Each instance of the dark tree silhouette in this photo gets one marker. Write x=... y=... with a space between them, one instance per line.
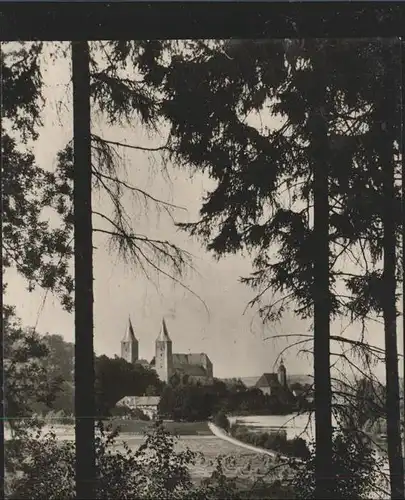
x=84 y=349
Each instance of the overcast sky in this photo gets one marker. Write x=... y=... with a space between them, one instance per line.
x=236 y=342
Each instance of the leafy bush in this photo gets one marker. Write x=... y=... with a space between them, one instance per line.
x=274 y=440
x=59 y=418
x=356 y=467
x=133 y=413
x=221 y=420
x=39 y=466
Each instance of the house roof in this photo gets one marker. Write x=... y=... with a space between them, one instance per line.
x=147 y=400
x=139 y=401
x=268 y=380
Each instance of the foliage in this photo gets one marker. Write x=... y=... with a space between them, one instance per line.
x=355 y=467
x=221 y=420
x=185 y=403
x=193 y=402
x=259 y=117
x=26 y=380
x=61 y=356
x=40 y=251
x=58 y=417
x=116 y=378
x=253 y=206
x=43 y=467
x=129 y=413
x=59 y=362
x=275 y=441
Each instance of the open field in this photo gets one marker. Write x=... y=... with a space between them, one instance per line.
x=177 y=428
x=236 y=461
x=132 y=427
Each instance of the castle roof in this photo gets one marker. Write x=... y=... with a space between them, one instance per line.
x=164 y=334
x=191 y=358
x=191 y=370
x=129 y=333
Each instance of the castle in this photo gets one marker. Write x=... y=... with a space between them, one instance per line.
x=197 y=367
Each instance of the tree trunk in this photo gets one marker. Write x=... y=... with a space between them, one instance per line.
x=390 y=331
x=84 y=352
x=388 y=108
x=402 y=69
x=324 y=479
x=2 y=395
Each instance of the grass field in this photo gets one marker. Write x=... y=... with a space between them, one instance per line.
x=195 y=436
x=237 y=461
x=177 y=428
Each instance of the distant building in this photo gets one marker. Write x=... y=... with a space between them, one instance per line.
x=147 y=404
x=276 y=384
x=270 y=383
x=130 y=345
x=196 y=366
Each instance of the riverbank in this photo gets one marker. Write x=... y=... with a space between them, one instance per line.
x=217 y=431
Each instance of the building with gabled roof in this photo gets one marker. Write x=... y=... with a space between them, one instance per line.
x=268 y=383
x=196 y=367
x=275 y=384
x=147 y=404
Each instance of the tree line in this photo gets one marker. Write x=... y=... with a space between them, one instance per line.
x=194 y=402
x=39 y=376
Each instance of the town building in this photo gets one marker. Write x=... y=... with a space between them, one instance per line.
x=147 y=404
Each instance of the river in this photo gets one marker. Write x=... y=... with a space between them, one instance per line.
x=294 y=424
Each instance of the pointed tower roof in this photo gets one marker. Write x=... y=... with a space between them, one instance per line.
x=281 y=365
x=164 y=334
x=129 y=334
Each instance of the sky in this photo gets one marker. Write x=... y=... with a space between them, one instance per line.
x=234 y=338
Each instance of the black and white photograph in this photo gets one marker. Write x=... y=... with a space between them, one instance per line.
x=202 y=267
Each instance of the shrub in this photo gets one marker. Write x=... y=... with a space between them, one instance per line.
x=274 y=440
x=355 y=464
x=221 y=420
x=299 y=448
x=39 y=466
x=130 y=413
x=58 y=418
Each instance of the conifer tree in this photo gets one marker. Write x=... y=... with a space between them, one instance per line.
x=209 y=94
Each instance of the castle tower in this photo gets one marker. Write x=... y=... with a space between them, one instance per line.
x=129 y=345
x=164 y=355
x=282 y=374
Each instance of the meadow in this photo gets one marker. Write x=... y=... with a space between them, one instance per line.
x=176 y=428
x=237 y=462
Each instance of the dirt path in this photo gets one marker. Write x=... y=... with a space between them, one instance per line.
x=223 y=435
